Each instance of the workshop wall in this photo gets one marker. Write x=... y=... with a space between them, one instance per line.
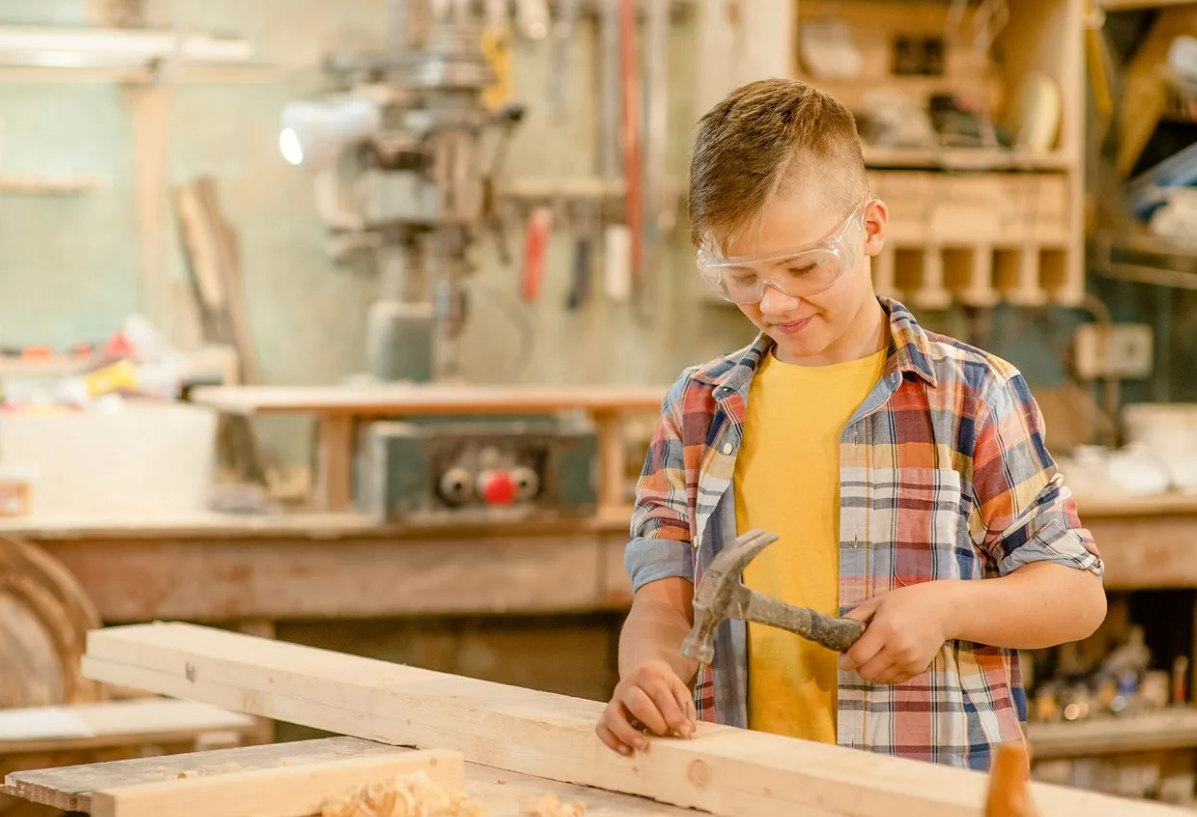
x=76 y=272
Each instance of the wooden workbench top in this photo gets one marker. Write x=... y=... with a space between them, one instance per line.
x=417 y=399
x=336 y=525
x=331 y=525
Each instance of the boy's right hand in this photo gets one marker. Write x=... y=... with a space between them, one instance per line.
x=651 y=698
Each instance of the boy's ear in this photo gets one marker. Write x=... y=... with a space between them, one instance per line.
x=876 y=222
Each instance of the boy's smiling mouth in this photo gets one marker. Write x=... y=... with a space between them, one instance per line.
x=791 y=327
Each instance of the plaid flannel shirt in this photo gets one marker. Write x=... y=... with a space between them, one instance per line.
x=943 y=475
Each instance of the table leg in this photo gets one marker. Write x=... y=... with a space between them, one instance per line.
x=610 y=461
x=334 y=459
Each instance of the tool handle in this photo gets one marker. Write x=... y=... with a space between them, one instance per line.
x=535 y=246
x=833 y=633
x=580 y=285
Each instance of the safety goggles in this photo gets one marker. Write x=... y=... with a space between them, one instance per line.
x=799 y=273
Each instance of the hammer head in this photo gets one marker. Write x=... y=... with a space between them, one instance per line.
x=721 y=593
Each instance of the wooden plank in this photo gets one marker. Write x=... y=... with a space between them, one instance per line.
x=724 y=770
x=286 y=791
x=70 y=787
x=141 y=720
x=500 y=793
x=391 y=399
x=278 y=579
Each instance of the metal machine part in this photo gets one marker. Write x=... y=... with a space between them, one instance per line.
x=493 y=470
x=415 y=191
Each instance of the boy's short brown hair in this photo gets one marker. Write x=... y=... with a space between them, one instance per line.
x=764 y=139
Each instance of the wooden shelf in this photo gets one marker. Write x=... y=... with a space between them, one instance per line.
x=1159 y=731
x=964 y=159
x=182 y=74
x=41 y=185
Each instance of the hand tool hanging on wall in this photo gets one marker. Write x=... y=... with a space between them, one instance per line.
x=563 y=34
x=536 y=241
x=533 y=18
x=631 y=129
x=584 y=223
x=616 y=271
x=496 y=50
x=656 y=47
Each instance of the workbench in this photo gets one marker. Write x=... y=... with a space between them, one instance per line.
x=227 y=568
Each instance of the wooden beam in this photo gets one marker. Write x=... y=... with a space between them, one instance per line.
x=498 y=793
x=285 y=791
x=69 y=788
x=723 y=770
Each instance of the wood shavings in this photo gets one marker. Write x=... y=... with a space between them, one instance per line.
x=549 y=805
x=185 y=774
x=409 y=795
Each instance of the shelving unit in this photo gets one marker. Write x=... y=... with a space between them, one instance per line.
x=973 y=226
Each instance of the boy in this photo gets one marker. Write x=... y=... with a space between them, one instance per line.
x=905 y=473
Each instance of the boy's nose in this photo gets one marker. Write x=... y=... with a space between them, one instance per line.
x=777 y=302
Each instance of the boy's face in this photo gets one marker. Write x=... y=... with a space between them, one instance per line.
x=841 y=323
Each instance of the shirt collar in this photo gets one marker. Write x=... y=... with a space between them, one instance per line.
x=909 y=352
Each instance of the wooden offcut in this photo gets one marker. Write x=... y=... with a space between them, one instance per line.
x=722 y=770
x=284 y=791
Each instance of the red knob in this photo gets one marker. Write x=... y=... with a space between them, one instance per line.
x=498 y=488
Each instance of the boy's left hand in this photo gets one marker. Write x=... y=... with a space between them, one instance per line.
x=906 y=628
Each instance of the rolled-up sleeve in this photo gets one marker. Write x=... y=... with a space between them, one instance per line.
x=1025 y=512
x=660 y=546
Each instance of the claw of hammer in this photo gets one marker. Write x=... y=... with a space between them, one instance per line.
x=721 y=595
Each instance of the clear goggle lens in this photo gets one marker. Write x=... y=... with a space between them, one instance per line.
x=800 y=275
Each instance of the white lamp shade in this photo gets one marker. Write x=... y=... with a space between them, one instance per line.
x=314 y=132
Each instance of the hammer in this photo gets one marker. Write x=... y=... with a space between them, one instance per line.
x=721 y=594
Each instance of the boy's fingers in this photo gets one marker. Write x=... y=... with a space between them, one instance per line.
x=665 y=697
x=623 y=731
x=610 y=741
x=863 y=651
x=645 y=709
x=865 y=610
x=878 y=668
x=686 y=700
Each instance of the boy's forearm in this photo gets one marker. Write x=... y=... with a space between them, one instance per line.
x=1037 y=606
x=654 y=632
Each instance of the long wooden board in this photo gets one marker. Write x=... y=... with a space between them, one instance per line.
x=427 y=399
x=726 y=771
x=283 y=791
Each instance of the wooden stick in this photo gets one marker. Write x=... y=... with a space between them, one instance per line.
x=723 y=770
x=283 y=792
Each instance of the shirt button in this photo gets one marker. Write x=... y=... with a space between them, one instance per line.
x=727 y=448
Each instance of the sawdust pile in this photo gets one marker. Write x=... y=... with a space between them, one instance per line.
x=548 y=805
x=407 y=795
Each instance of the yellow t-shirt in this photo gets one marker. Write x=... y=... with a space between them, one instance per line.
x=787 y=480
